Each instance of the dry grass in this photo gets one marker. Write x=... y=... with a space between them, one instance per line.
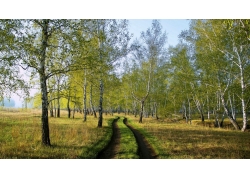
x=178 y=140
x=20 y=136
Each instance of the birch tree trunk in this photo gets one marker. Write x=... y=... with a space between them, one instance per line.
x=58 y=106
x=141 y=113
x=134 y=107
x=91 y=103
x=216 y=123
x=68 y=107
x=198 y=105
x=51 y=110
x=51 y=105
x=100 y=104
x=55 y=109
x=208 y=109
x=185 y=112
x=74 y=110
x=155 y=110
x=43 y=85
x=84 y=97
x=232 y=120
x=232 y=105
x=58 y=95
x=243 y=85
x=189 y=110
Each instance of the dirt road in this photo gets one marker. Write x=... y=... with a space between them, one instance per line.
x=145 y=150
x=112 y=148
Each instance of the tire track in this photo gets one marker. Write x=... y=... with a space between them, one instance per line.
x=145 y=150
x=112 y=148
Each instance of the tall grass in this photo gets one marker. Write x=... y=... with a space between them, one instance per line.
x=20 y=136
x=178 y=140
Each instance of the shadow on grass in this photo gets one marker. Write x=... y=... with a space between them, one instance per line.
x=93 y=151
x=202 y=143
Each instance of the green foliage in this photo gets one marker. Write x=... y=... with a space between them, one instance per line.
x=10 y=79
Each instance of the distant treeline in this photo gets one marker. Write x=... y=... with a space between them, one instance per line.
x=7 y=103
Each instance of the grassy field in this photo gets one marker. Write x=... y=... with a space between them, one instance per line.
x=20 y=136
x=178 y=140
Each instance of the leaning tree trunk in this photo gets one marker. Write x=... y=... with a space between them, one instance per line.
x=232 y=120
x=100 y=104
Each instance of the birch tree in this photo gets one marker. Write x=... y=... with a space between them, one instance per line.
x=149 y=54
x=113 y=38
x=38 y=38
x=230 y=45
x=182 y=79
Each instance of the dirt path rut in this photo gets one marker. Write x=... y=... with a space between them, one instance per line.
x=145 y=151
x=112 y=148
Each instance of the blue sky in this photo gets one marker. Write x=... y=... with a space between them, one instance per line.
x=173 y=27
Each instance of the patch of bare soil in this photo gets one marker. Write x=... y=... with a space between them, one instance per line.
x=145 y=150
x=110 y=151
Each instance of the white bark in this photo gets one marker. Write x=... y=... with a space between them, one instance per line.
x=243 y=87
x=84 y=97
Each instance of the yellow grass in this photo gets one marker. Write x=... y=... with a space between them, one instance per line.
x=20 y=136
x=183 y=141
